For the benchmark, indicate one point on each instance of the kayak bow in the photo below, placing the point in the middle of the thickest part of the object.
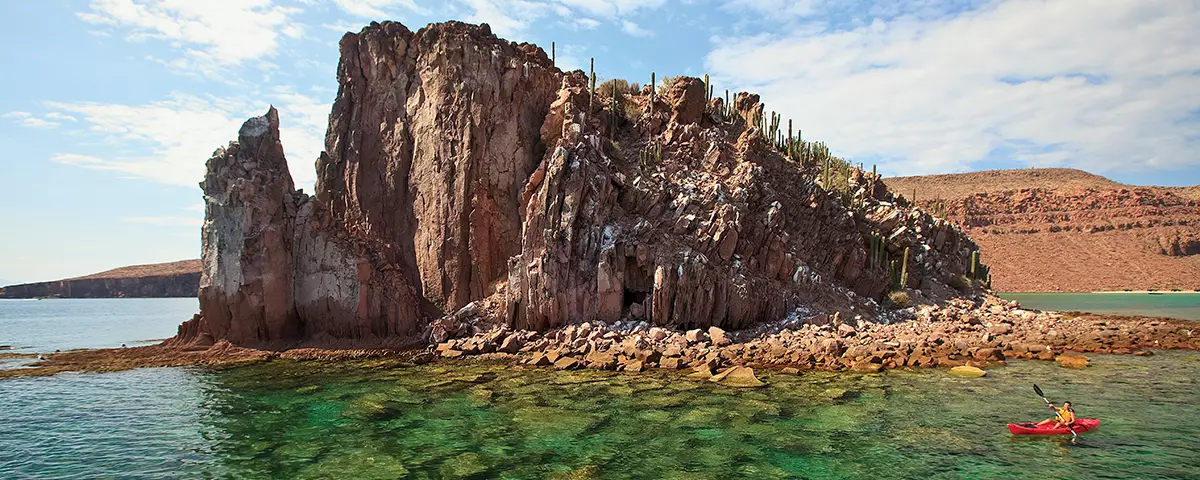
(1081, 425)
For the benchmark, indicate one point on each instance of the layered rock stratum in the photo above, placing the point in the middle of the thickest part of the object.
(1064, 230)
(465, 176)
(174, 279)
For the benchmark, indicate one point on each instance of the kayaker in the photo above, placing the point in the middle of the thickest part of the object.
(1063, 417)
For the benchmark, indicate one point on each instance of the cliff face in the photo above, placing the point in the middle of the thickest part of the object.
(175, 279)
(465, 174)
(1065, 230)
(430, 141)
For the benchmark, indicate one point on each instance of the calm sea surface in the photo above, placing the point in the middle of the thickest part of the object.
(379, 420)
(1175, 305)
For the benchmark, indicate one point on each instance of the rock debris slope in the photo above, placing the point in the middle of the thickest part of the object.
(466, 176)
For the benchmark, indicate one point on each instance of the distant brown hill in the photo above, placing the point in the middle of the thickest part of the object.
(1055, 229)
(174, 279)
(151, 270)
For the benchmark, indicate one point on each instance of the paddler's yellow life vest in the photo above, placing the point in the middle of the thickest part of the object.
(1064, 415)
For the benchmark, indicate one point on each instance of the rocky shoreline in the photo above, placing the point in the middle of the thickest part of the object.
(961, 334)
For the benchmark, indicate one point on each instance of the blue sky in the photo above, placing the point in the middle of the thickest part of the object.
(112, 106)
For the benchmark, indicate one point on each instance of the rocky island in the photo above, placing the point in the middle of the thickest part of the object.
(475, 201)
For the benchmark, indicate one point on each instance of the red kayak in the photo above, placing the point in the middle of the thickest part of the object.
(1081, 425)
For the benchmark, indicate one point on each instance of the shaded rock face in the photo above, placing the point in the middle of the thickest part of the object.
(465, 174)
(247, 237)
(431, 139)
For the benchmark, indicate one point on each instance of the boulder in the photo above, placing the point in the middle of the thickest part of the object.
(695, 336)
(669, 363)
(601, 361)
(567, 363)
(739, 377)
(1072, 360)
(989, 354)
(790, 371)
(632, 366)
(511, 344)
(846, 330)
(718, 337)
(968, 371)
(702, 372)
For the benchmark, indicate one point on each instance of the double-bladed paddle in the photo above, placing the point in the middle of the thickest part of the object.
(1071, 428)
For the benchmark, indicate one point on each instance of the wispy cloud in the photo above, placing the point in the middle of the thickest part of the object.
(168, 141)
(1062, 83)
(506, 17)
(26, 119)
(634, 30)
(211, 35)
(377, 9)
(613, 8)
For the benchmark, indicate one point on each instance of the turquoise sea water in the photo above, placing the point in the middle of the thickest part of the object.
(41, 326)
(1175, 305)
(377, 419)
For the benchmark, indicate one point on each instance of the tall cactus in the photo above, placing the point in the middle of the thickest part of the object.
(975, 265)
(653, 87)
(592, 86)
(904, 270)
(553, 63)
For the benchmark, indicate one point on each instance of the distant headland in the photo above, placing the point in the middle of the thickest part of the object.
(173, 279)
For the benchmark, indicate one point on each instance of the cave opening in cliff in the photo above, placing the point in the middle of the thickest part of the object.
(631, 298)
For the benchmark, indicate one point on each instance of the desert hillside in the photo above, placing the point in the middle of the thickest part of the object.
(1055, 229)
(173, 279)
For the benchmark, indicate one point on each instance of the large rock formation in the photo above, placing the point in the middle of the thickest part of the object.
(174, 279)
(464, 174)
(1053, 229)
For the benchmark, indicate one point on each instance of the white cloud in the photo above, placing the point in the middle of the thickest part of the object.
(613, 8)
(507, 18)
(634, 30)
(168, 141)
(1062, 83)
(212, 34)
(59, 116)
(585, 23)
(375, 9)
(166, 221)
(26, 119)
(512, 17)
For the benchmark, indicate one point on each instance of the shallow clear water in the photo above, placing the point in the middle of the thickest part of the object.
(377, 420)
(41, 326)
(1175, 305)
